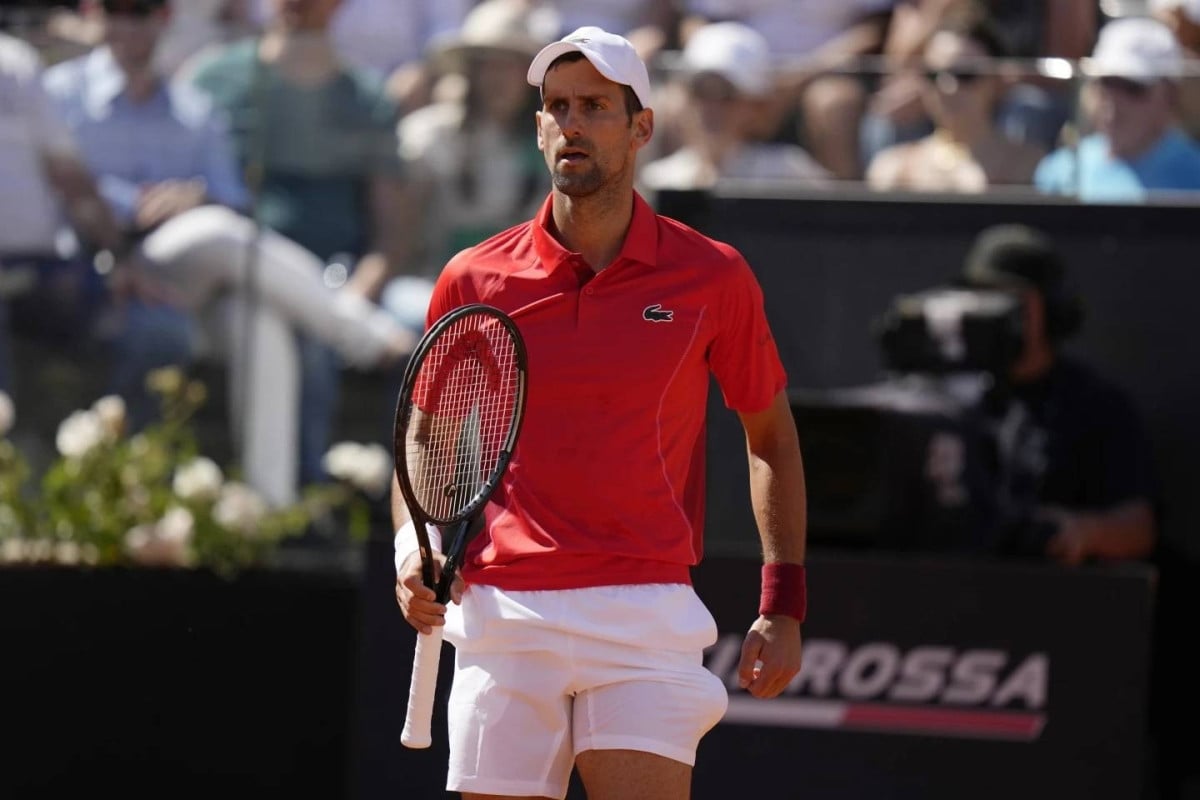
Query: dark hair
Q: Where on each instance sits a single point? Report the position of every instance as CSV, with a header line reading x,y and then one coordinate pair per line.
x,y
632,104
974,22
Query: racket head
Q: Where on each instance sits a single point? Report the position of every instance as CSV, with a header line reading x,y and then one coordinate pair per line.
x,y
459,413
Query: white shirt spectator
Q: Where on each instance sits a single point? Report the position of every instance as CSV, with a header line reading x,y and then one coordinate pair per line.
x,y
30,130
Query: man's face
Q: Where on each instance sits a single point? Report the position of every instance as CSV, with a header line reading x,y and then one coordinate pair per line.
x,y
584,131
305,15
718,105
1036,339
1131,114
959,92
133,35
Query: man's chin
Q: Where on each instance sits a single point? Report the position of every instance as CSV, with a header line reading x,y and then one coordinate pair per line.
x,y
576,185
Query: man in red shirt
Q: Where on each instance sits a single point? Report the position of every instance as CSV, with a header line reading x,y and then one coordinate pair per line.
x,y
578,635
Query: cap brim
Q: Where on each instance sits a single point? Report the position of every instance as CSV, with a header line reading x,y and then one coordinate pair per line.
x,y
542,61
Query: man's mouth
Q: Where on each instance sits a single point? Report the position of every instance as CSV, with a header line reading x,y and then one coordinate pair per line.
x,y
571,156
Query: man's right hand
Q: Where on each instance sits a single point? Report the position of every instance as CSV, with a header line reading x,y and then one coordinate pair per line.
x,y
161,201
416,600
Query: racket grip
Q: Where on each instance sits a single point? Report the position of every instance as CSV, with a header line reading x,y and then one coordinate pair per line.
x,y
421,691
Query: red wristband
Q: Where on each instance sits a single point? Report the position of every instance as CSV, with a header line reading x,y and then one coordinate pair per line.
x,y
783,591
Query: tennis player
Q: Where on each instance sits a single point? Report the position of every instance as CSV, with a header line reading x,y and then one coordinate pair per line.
x,y
578,636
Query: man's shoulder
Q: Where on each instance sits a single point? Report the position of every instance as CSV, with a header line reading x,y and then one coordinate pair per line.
x,y
18,57
66,78
680,242
1183,150
1094,389
225,67
191,105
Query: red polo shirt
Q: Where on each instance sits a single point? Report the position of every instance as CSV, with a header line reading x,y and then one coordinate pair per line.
x,y
607,482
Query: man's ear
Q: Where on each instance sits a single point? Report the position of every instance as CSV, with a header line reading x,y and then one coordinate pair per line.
x,y
643,127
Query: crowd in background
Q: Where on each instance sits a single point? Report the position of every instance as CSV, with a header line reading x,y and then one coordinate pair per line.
x,y
274,184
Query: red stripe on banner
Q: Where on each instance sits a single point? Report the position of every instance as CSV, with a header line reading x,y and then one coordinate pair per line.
x,y
945,721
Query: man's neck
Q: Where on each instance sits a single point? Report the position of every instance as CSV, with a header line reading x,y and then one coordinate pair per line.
x,y
1033,366
141,86
593,226
1135,150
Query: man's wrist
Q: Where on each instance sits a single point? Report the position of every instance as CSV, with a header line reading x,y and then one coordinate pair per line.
x,y
784,591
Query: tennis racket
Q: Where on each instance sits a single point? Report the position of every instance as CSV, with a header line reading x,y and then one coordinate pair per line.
x,y
457,419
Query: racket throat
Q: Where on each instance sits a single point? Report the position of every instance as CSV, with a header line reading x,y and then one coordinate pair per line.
x,y
454,557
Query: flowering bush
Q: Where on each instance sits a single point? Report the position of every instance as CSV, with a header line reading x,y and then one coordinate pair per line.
x,y
153,498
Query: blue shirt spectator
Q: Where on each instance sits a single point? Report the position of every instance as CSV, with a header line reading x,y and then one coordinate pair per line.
x,y
174,134
1093,174
1137,151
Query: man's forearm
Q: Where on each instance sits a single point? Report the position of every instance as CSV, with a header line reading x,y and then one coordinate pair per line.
x,y
777,494
90,215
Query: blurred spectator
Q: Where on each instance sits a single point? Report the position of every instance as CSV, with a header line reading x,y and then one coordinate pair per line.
x,y
813,100
1183,18
967,151
727,75
650,25
1032,108
167,169
472,166
1136,150
45,268
392,38
194,26
318,140
1074,468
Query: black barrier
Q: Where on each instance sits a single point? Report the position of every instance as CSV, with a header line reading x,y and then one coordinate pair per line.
x,y
176,683
922,679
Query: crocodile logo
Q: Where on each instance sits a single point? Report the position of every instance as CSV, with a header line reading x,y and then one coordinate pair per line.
x,y
655,313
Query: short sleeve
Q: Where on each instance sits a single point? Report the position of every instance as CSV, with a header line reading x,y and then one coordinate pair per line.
x,y
743,356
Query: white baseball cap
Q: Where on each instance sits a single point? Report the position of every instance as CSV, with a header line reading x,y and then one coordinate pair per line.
x,y
1140,49
613,56
733,50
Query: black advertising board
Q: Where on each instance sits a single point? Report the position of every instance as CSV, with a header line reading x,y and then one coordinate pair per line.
x,y
934,678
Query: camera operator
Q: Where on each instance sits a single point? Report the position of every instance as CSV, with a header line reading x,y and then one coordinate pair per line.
x,y
1073,464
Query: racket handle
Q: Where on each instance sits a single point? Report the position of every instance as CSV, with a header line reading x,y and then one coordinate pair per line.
x,y
422,690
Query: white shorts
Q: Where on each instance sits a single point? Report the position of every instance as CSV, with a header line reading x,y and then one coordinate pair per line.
x,y
542,676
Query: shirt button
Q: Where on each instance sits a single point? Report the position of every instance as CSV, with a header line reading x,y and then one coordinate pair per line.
x,y
589,290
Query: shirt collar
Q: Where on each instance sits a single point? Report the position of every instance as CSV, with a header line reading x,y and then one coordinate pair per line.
x,y
641,241
104,79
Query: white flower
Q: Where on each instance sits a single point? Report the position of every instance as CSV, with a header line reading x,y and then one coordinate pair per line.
x,y
166,542
177,525
199,479
111,411
239,507
8,414
69,553
12,550
366,467
79,433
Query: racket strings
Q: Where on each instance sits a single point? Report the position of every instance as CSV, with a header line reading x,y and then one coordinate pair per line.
x,y
463,416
